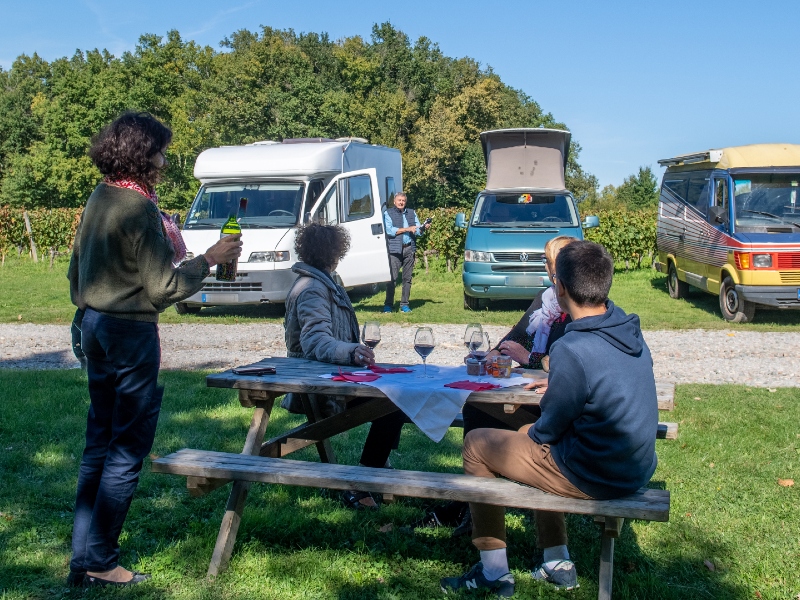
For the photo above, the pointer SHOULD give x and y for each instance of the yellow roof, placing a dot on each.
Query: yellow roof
(754, 155)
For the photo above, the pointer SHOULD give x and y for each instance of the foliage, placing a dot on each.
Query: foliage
(629, 235)
(640, 190)
(269, 84)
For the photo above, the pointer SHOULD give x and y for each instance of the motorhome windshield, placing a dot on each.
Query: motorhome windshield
(269, 205)
(764, 201)
(524, 210)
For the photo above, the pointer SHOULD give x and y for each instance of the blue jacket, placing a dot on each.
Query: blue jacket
(600, 411)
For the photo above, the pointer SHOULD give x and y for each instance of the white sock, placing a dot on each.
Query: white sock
(495, 563)
(555, 554)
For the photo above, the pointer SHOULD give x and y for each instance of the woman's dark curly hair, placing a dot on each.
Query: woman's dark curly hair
(321, 246)
(124, 148)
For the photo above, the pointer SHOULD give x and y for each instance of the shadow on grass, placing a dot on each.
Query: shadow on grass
(44, 360)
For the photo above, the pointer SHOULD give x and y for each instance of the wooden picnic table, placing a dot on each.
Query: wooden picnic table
(302, 376)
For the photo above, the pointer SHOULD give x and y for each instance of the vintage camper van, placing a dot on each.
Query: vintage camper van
(729, 224)
(524, 205)
(346, 181)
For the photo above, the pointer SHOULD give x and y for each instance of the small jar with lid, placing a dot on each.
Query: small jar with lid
(473, 367)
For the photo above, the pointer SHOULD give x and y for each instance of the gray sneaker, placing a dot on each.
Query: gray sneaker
(563, 576)
(475, 580)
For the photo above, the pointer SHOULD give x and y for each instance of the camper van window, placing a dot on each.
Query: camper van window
(390, 191)
(269, 205)
(315, 188)
(358, 198)
(697, 195)
(676, 185)
(764, 200)
(525, 210)
(328, 213)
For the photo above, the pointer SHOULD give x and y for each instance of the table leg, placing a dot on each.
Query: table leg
(313, 415)
(233, 511)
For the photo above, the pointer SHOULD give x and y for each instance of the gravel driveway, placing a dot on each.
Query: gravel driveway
(694, 356)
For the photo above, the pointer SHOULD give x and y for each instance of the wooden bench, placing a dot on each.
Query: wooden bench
(646, 504)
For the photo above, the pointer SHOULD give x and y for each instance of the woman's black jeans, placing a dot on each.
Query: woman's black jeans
(123, 361)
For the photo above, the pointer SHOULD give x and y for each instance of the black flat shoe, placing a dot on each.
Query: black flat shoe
(351, 500)
(89, 581)
(75, 578)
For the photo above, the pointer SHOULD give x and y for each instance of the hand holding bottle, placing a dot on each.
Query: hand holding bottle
(225, 250)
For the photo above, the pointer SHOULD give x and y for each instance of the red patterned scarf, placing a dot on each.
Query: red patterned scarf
(171, 229)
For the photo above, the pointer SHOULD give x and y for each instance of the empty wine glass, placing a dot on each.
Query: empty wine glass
(479, 344)
(471, 328)
(424, 343)
(371, 334)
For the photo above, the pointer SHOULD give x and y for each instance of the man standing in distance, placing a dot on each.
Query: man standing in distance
(402, 227)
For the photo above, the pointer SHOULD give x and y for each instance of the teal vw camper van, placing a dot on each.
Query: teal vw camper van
(524, 205)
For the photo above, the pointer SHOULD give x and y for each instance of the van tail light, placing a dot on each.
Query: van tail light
(742, 260)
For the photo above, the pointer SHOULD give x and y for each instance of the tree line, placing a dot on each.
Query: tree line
(271, 84)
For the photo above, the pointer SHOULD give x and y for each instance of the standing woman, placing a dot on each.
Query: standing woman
(123, 274)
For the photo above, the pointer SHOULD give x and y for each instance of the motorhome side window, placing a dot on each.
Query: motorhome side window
(357, 197)
(676, 185)
(697, 193)
(329, 210)
(390, 191)
(315, 188)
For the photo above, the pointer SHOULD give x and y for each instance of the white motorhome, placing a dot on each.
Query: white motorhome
(345, 181)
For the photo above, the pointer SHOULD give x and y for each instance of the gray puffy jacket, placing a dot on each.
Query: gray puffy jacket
(320, 325)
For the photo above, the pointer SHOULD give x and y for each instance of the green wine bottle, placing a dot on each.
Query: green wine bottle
(227, 271)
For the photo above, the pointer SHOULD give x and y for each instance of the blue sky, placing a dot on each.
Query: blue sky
(634, 81)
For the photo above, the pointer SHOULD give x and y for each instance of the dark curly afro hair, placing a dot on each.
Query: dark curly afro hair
(125, 147)
(322, 246)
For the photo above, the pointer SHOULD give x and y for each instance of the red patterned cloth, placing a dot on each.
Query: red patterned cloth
(171, 229)
(380, 369)
(471, 385)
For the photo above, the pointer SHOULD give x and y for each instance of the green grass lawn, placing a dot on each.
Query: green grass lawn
(727, 508)
(37, 294)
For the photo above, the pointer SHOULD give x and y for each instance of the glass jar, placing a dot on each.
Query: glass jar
(502, 366)
(473, 367)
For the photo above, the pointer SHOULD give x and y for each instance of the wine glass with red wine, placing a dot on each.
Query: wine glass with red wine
(371, 334)
(424, 343)
(480, 345)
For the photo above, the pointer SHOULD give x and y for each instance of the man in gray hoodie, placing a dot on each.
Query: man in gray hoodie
(595, 438)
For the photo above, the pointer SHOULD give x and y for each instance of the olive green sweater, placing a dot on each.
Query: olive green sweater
(122, 260)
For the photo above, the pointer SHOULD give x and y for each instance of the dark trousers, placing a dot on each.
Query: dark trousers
(123, 361)
(405, 262)
(383, 437)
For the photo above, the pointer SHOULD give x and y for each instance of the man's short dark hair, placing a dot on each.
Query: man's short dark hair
(322, 246)
(586, 271)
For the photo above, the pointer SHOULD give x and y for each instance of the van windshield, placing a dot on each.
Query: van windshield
(269, 205)
(766, 201)
(524, 210)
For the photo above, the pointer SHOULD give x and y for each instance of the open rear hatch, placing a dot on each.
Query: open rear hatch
(525, 158)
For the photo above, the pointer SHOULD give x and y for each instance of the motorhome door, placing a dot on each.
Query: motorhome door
(352, 200)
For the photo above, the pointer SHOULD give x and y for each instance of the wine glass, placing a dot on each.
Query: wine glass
(424, 343)
(479, 344)
(471, 328)
(371, 334)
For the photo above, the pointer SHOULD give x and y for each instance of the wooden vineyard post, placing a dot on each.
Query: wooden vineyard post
(30, 235)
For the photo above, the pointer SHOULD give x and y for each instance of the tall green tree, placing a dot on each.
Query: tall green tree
(639, 190)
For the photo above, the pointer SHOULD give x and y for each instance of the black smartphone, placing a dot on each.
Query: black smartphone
(255, 370)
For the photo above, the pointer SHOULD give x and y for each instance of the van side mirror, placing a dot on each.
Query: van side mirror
(307, 218)
(176, 218)
(718, 214)
(461, 222)
(591, 221)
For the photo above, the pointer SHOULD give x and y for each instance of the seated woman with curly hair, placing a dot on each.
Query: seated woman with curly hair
(321, 325)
